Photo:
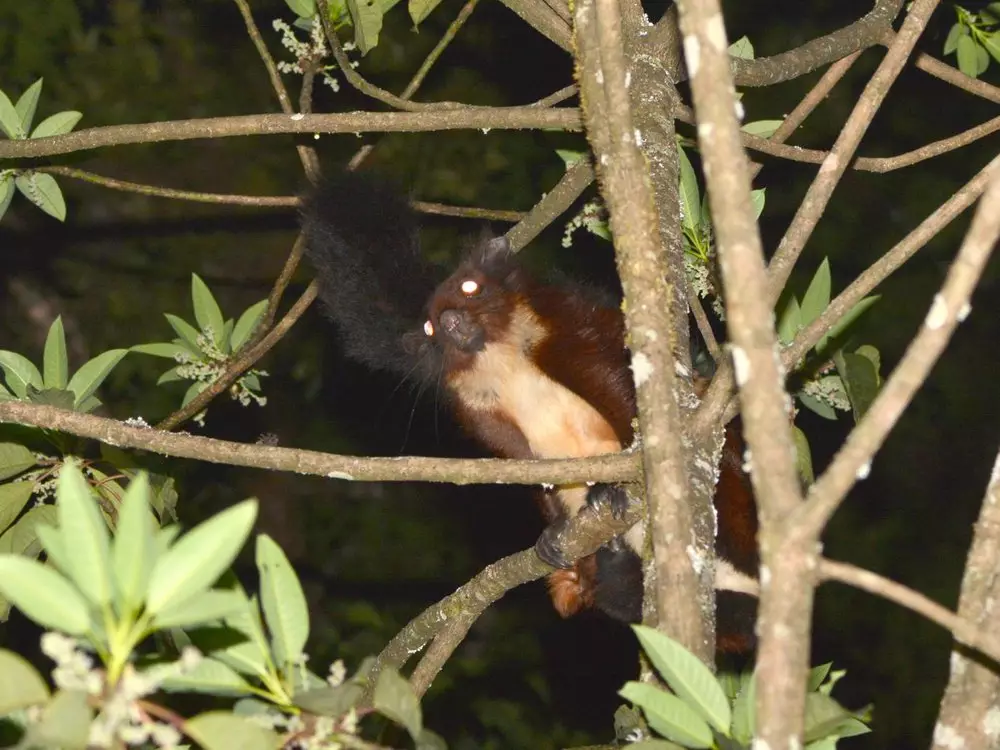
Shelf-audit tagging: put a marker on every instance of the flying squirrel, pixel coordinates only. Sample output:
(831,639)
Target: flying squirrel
(530,369)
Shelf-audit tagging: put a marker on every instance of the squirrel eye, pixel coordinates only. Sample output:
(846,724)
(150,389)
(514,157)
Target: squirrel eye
(428,328)
(470,287)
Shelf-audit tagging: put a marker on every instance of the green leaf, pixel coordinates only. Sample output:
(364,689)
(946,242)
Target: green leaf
(193,391)
(302,8)
(968,56)
(285,610)
(88,378)
(654,745)
(803,456)
(991,12)
(165,349)
(165,537)
(206,310)
(690,199)
(212,677)
(19,373)
(331,701)
(817,296)
(135,552)
(571,158)
(197,559)
(845,321)
(741,48)
(13,497)
(221,730)
(870,353)
(65,721)
(668,715)
(395,699)
(170,376)
(7,191)
(744,712)
(816,406)
(43,595)
(758,198)
(187,332)
(84,536)
(860,380)
(27,104)
(991,44)
(23,537)
(823,716)
(58,124)
(762,128)
(957,32)
(20,685)
(247,324)
(52,543)
(88,404)
(10,120)
(366,16)
(42,190)
(790,321)
(54,363)
(14,459)
(253,655)
(420,9)
(204,608)
(687,676)
(817,675)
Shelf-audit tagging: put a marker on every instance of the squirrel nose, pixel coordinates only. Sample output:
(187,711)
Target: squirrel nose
(450,320)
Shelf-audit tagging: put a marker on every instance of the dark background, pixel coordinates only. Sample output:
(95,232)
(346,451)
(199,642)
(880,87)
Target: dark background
(373,556)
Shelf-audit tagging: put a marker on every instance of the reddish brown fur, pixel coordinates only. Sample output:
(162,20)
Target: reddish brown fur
(579,345)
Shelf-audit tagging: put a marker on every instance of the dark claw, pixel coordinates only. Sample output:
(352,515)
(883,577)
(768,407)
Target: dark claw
(548,547)
(612,495)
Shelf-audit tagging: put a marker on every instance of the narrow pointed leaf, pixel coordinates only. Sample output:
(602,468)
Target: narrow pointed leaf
(744,708)
(366,16)
(170,376)
(668,715)
(861,382)
(816,406)
(52,543)
(193,391)
(165,349)
(394,698)
(687,676)
(43,595)
(966,50)
(58,124)
(20,685)
(253,656)
(957,32)
(221,730)
(84,536)
(185,330)
(135,551)
(88,378)
(196,561)
(42,190)
(19,373)
(13,497)
(199,610)
(762,128)
(817,296)
(14,459)
(7,191)
(206,309)
(803,456)
(27,104)
(690,200)
(790,322)
(845,321)
(420,9)
(23,537)
(10,120)
(758,198)
(212,677)
(55,368)
(823,716)
(247,324)
(285,608)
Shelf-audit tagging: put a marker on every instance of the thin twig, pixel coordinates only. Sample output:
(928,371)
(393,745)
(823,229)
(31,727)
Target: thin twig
(704,327)
(576,179)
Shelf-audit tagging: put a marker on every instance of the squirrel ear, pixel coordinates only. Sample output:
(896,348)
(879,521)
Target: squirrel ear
(495,252)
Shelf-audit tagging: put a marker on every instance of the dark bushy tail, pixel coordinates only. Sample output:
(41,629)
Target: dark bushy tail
(361,237)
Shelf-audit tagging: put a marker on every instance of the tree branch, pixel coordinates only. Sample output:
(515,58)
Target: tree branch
(552,205)
(479,118)
(616,467)
(949,307)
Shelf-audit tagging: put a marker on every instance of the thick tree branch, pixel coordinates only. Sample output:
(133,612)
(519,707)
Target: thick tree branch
(972,697)
(478,118)
(618,467)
